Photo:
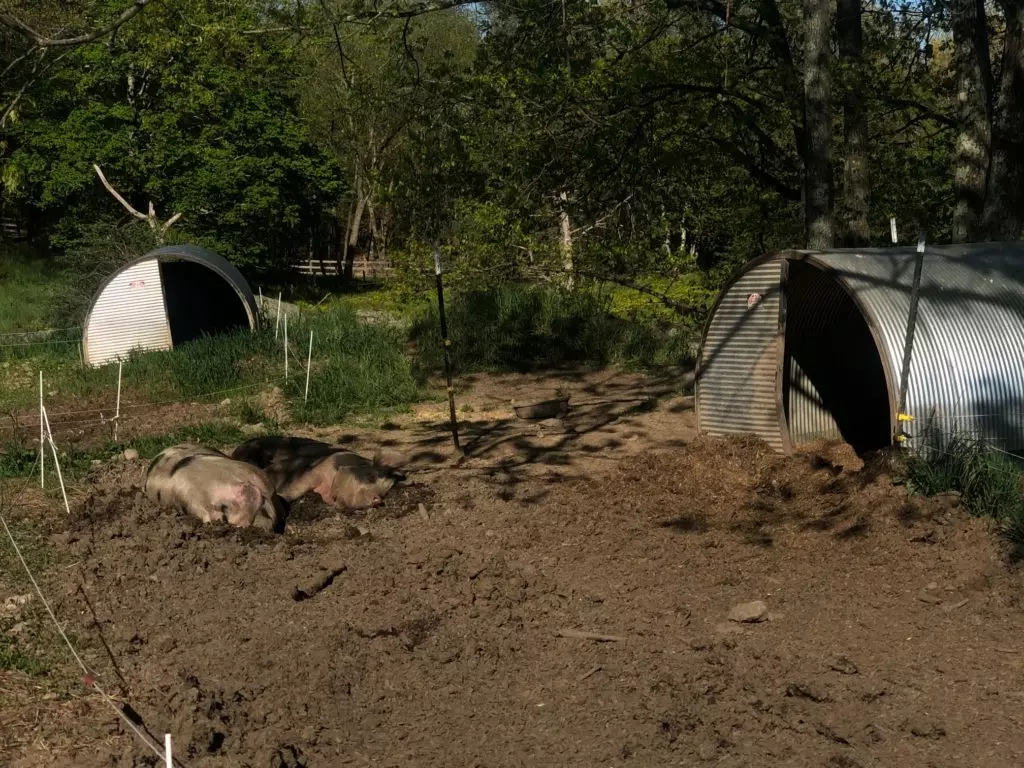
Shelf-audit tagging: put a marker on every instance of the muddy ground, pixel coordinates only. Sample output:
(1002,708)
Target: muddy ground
(894,631)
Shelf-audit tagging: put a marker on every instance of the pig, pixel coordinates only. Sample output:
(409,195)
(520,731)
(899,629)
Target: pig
(299,465)
(213,487)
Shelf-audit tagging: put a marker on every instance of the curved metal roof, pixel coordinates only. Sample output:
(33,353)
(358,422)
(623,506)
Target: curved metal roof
(218,264)
(152,329)
(967,366)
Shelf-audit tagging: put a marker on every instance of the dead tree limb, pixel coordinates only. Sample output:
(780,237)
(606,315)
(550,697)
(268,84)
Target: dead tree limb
(159,230)
(676,306)
(40,41)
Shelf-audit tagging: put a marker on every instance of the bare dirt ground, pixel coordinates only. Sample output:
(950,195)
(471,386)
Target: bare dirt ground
(893,633)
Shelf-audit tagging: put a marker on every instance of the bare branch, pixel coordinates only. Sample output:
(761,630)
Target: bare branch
(275,30)
(407,13)
(159,230)
(29,81)
(40,41)
(171,222)
(117,196)
(676,306)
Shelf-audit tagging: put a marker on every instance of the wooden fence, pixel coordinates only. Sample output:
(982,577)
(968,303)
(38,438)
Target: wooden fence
(361,268)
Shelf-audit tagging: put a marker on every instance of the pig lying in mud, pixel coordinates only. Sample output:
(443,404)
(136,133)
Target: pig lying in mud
(213,487)
(298,465)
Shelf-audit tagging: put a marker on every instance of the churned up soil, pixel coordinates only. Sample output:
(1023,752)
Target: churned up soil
(575,614)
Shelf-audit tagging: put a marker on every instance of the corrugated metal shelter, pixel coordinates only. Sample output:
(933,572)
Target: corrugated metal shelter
(165,298)
(805,345)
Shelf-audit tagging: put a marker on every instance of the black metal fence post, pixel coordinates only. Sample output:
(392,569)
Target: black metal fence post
(908,342)
(447,347)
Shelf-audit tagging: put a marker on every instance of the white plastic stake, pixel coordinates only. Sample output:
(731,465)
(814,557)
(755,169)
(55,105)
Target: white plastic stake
(285,347)
(309,359)
(167,751)
(892,229)
(277,322)
(42,437)
(56,461)
(117,413)
(261,298)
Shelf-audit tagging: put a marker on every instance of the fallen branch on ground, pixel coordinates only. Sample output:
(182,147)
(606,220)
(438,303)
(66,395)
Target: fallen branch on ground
(578,634)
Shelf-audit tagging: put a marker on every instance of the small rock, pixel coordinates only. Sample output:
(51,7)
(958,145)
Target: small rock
(63,538)
(130,454)
(749,613)
(423,512)
(927,730)
(17,629)
(95,462)
(843,666)
(932,585)
(165,644)
(226,401)
(12,605)
(804,691)
(50,696)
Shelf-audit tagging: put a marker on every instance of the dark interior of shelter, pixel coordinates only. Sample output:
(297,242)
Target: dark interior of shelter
(199,301)
(831,344)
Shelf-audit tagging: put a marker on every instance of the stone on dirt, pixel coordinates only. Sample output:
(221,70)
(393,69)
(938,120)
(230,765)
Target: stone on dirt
(12,606)
(130,454)
(749,613)
(843,666)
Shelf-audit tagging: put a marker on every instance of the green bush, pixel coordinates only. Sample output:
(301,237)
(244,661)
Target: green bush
(989,482)
(521,327)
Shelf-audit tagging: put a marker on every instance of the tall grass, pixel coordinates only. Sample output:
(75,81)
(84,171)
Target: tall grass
(29,286)
(516,327)
(991,483)
(357,368)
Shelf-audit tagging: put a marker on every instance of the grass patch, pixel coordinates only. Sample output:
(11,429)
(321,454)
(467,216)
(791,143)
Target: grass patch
(30,288)
(14,659)
(17,459)
(990,483)
(515,327)
(357,369)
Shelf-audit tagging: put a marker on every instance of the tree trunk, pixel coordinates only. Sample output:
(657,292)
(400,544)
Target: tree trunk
(1004,203)
(567,262)
(818,16)
(371,213)
(352,235)
(856,186)
(974,117)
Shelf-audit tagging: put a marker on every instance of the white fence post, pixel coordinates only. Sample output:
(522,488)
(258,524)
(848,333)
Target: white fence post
(168,758)
(277,322)
(309,360)
(285,346)
(42,437)
(117,412)
(56,461)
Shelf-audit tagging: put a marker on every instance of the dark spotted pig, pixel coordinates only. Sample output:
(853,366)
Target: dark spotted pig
(212,487)
(298,465)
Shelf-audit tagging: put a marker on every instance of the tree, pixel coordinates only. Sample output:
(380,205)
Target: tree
(974,116)
(856,186)
(1004,204)
(818,17)
(366,91)
(184,107)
